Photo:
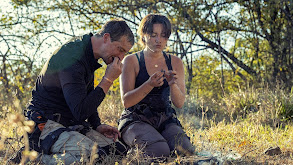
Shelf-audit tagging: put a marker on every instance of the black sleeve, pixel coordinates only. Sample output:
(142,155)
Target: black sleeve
(95,120)
(83,105)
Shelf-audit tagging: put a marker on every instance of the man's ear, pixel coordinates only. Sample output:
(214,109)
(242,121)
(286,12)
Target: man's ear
(106,37)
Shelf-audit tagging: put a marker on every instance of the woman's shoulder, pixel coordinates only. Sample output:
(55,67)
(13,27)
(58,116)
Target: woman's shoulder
(176,62)
(131,62)
(174,58)
(131,58)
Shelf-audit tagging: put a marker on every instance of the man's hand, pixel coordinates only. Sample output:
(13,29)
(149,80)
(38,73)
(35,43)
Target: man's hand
(108,131)
(114,69)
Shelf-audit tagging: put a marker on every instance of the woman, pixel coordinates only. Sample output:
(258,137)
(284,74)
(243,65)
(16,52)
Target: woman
(148,121)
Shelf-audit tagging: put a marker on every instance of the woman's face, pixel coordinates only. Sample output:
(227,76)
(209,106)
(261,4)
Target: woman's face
(157,41)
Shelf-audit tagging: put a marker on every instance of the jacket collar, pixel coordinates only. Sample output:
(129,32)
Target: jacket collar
(94,65)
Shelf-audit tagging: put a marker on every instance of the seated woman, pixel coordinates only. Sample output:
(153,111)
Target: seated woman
(148,121)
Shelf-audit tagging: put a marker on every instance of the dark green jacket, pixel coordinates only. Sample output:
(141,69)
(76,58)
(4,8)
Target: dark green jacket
(66,84)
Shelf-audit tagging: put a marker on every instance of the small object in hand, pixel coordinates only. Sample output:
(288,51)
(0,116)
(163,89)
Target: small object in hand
(163,72)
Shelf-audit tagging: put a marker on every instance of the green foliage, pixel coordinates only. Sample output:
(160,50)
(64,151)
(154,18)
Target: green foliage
(205,83)
(287,111)
(251,39)
(16,84)
(210,82)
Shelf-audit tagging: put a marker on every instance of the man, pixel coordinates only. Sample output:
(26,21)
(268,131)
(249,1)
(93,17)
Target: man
(64,101)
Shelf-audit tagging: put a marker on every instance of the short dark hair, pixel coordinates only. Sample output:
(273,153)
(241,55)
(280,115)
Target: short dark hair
(146,25)
(117,28)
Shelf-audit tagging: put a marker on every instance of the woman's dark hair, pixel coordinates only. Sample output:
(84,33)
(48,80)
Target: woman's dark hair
(117,28)
(146,26)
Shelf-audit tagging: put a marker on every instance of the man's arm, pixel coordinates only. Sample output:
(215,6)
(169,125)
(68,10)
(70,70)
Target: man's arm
(94,120)
(112,73)
(81,103)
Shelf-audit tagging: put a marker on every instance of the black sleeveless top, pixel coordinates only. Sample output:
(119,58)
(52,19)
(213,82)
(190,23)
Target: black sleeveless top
(159,98)
(149,109)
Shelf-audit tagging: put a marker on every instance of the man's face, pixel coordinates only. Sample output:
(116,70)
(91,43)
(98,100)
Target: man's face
(116,49)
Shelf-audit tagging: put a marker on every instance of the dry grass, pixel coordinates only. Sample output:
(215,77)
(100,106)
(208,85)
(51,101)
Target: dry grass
(240,127)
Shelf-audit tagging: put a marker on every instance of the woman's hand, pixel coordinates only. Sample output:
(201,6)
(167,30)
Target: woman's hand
(157,79)
(108,131)
(171,76)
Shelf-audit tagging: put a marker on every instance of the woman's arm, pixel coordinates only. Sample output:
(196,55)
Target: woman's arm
(176,80)
(129,95)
